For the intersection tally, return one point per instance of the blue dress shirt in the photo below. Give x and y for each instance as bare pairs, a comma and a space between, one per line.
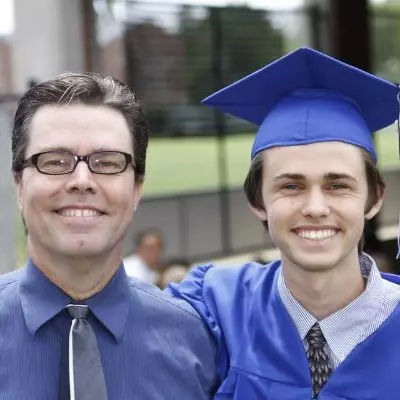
151, 346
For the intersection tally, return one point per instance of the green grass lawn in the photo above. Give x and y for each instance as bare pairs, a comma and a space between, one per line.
191, 164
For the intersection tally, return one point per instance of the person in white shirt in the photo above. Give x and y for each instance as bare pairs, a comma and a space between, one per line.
145, 263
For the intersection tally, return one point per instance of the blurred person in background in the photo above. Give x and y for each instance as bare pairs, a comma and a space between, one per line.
146, 262
321, 321
73, 325
173, 272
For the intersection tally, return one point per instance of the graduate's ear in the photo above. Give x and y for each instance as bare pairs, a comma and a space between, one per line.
375, 208
376, 189
260, 213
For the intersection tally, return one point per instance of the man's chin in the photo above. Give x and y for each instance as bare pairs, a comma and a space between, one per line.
79, 249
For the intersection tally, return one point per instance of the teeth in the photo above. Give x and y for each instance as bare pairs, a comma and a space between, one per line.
317, 234
79, 213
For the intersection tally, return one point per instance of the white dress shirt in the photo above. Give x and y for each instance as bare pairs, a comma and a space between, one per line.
346, 328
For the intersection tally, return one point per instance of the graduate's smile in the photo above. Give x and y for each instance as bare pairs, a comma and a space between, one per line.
315, 241
317, 234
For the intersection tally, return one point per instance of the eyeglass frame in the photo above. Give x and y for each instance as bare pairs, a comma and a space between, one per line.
33, 160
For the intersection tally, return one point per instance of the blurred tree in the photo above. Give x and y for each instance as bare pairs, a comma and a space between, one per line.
385, 25
249, 41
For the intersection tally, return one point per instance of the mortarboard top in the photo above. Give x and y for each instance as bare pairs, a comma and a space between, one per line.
308, 97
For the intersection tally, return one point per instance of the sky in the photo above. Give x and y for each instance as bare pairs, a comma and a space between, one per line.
7, 12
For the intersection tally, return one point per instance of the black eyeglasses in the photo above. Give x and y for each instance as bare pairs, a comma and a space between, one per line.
62, 162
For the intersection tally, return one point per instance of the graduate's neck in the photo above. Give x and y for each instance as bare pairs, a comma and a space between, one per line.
324, 292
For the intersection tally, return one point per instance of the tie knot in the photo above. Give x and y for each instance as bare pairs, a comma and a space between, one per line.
77, 311
315, 337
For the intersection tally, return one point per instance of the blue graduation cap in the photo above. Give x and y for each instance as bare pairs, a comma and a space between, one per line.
308, 97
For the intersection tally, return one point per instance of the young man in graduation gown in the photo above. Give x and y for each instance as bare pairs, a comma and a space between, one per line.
320, 322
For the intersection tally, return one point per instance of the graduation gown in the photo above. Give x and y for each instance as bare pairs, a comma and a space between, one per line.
260, 353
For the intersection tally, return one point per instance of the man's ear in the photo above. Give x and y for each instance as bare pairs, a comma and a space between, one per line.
377, 206
137, 195
18, 188
260, 213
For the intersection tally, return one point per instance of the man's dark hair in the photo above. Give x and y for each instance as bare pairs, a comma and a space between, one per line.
254, 179
81, 88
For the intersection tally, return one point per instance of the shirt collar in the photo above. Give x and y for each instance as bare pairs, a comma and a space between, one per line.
41, 300
342, 329
300, 316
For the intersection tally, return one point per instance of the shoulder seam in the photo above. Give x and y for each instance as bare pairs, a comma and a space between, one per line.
166, 300
209, 315
8, 283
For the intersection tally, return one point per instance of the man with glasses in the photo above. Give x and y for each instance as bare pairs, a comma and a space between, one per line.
73, 325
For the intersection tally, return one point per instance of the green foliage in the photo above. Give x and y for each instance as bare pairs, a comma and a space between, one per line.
385, 36
248, 41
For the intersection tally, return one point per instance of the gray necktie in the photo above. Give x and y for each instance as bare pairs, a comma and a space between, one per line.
318, 360
86, 378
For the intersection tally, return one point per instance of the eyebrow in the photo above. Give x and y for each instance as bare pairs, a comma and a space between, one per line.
332, 176
293, 177
329, 176
70, 150
55, 148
